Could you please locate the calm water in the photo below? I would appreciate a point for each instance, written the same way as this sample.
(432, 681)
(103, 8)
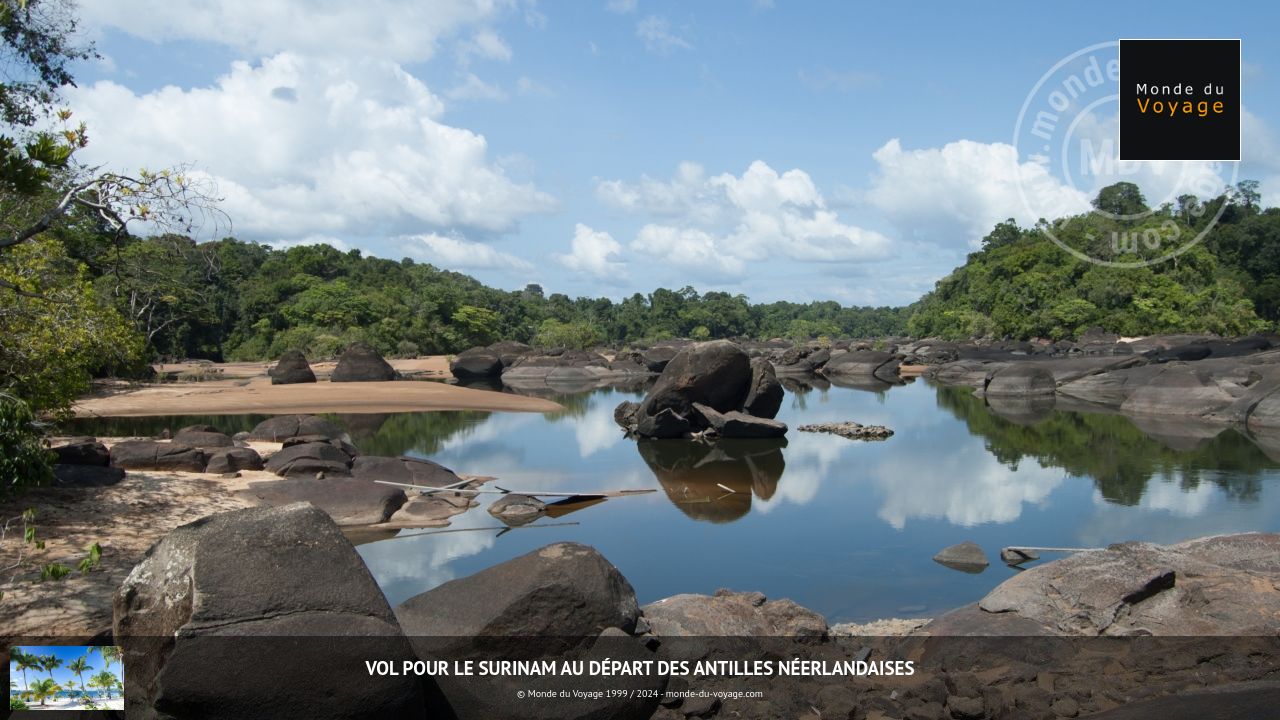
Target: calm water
(844, 527)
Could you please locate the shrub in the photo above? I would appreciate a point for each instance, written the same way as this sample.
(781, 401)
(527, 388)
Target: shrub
(23, 459)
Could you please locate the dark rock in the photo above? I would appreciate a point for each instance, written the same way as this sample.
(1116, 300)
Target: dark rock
(716, 374)
(361, 363)
(699, 706)
(730, 614)
(508, 351)
(516, 509)
(152, 455)
(411, 471)
(1018, 556)
(1184, 391)
(764, 399)
(1224, 702)
(192, 437)
(1021, 379)
(965, 557)
(735, 424)
(308, 458)
(665, 425)
(966, 708)
(478, 362)
(347, 501)
(291, 369)
(85, 475)
(566, 593)
(864, 362)
(232, 460)
(215, 591)
(283, 427)
(625, 415)
(1184, 353)
(656, 358)
(82, 451)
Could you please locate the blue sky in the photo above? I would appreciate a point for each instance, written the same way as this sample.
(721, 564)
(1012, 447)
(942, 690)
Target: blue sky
(66, 653)
(609, 147)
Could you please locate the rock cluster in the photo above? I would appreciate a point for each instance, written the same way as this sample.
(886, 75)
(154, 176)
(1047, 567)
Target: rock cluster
(850, 430)
(281, 584)
(712, 388)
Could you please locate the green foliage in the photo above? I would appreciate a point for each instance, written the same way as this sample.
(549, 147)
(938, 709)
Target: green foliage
(16, 703)
(23, 459)
(1022, 286)
(56, 331)
(41, 690)
(91, 559)
(54, 571)
(574, 335)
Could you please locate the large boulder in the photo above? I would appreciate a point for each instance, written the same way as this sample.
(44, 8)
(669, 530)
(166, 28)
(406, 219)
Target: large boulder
(1216, 586)
(732, 614)
(202, 436)
(864, 362)
(347, 501)
(82, 476)
(292, 368)
(716, 374)
(276, 589)
(564, 593)
(764, 398)
(476, 363)
(283, 427)
(656, 358)
(508, 351)
(1021, 380)
(235, 459)
(153, 455)
(307, 459)
(965, 557)
(1265, 414)
(361, 363)
(411, 471)
(1110, 388)
(1181, 390)
(82, 451)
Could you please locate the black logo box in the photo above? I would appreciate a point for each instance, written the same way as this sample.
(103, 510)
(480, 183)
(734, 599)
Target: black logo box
(1181, 65)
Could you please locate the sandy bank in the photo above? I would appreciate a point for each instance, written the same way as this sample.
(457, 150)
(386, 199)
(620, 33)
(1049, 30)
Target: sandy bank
(259, 396)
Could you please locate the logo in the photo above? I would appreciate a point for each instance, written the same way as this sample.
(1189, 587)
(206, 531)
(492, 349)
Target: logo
(1066, 138)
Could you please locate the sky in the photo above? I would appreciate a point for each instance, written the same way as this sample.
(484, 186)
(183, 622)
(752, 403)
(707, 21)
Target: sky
(66, 653)
(787, 151)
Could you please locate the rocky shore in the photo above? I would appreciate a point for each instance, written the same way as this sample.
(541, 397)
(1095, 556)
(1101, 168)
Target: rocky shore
(212, 595)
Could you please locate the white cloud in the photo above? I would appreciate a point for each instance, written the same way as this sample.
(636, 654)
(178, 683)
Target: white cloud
(456, 253)
(384, 29)
(960, 191)
(621, 6)
(485, 44)
(473, 88)
(719, 224)
(593, 253)
(300, 146)
(656, 32)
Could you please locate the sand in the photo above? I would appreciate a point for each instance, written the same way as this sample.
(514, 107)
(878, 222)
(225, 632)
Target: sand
(116, 703)
(125, 520)
(245, 389)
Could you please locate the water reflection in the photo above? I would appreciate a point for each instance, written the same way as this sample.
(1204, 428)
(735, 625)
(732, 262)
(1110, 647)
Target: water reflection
(849, 528)
(715, 482)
